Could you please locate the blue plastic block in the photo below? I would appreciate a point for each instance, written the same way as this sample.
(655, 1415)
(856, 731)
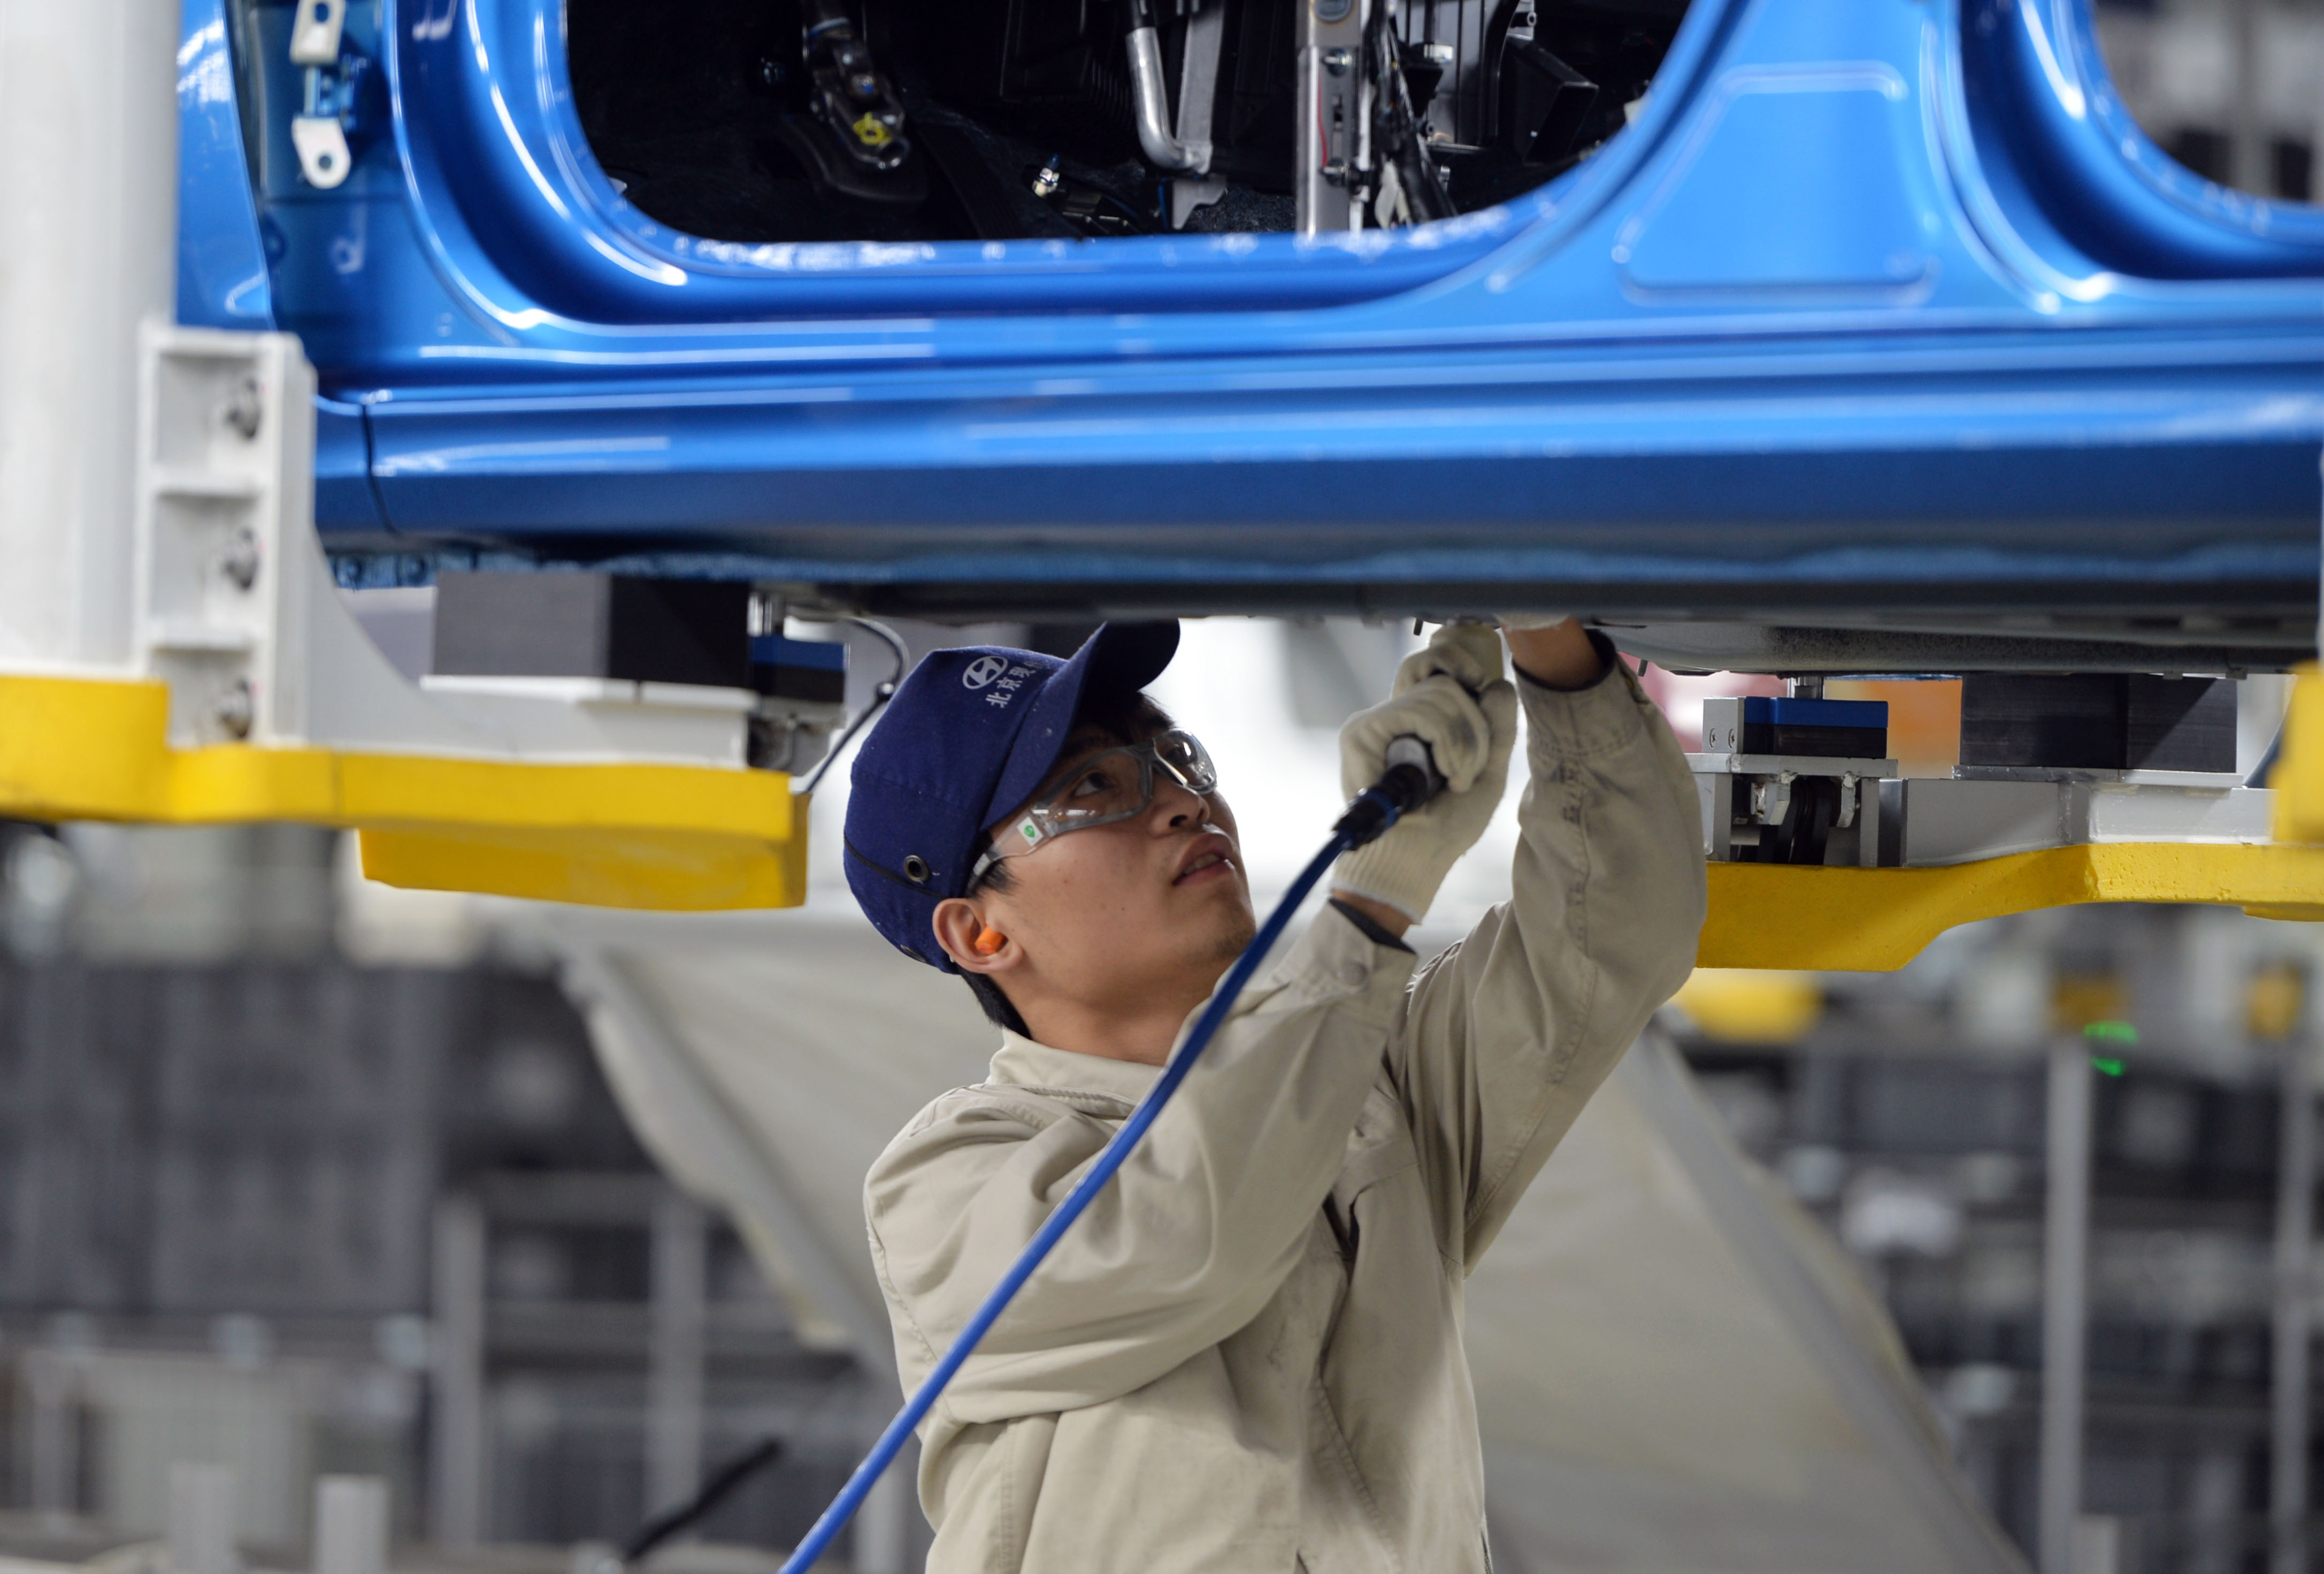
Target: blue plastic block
(1764, 710)
(772, 650)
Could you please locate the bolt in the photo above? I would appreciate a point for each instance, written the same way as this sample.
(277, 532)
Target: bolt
(1338, 61)
(244, 408)
(235, 709)
(239, 561)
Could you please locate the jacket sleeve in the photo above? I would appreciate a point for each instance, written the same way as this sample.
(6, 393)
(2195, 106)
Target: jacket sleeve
(1194, 1234)
(1505, 1037)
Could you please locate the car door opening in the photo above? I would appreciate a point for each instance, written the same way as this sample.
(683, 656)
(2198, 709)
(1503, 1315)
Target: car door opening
(760, 121)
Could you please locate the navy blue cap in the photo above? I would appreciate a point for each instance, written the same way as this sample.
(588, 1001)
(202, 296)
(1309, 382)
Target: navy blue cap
(969, 736)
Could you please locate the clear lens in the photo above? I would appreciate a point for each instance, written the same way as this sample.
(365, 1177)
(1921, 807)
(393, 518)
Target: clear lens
(1183, 757)
(1110, 786)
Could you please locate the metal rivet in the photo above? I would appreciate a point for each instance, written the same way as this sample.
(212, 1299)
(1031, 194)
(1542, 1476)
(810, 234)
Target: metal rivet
(235, 709)
(239, 561)
(243, 409)
(916, 869)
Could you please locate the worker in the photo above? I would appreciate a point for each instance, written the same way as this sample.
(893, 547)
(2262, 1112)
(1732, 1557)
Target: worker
(1247, 1355)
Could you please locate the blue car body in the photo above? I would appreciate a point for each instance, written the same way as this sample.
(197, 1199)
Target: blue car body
(1876, 305)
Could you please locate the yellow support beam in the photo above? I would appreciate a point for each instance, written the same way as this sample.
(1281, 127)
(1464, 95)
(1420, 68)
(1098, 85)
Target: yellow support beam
(672, 838)
(2298, 778)
(1874, 920)
(1747, 1005)
(1780, 916)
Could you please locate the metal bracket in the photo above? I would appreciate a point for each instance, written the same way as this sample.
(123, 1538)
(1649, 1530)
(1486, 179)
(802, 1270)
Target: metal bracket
(1947, 820)
(315, 36)
(335, 73)
(322, 145)
(1335, 116)
(252, 693)
(1198, 87)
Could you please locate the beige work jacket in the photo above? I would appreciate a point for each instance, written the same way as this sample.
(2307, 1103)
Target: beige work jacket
(1247, 1355)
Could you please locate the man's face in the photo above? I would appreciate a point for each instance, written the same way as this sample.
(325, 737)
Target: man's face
(1111, 914)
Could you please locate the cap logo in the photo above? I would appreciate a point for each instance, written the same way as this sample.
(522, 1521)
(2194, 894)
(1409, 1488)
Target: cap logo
(998, 673)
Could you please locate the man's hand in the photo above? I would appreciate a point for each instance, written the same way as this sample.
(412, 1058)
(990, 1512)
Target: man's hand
(1453, 695)
(1559, 656)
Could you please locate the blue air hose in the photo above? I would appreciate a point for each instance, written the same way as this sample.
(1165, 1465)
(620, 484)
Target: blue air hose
(1411, 780)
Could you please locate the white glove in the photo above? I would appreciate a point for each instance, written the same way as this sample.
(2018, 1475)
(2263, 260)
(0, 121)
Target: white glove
(1453, 695)
(1524, 620)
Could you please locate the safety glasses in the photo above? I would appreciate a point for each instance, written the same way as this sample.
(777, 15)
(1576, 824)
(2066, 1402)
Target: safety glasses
(1113, 784)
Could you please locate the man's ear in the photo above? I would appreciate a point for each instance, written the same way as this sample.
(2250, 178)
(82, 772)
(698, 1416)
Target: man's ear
(958, 924)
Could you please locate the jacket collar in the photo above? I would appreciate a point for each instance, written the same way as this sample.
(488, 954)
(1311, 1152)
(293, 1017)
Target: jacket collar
(1023, 1063)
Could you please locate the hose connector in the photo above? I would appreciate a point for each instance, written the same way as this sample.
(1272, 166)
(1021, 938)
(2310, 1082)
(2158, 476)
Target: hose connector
(1410, 781)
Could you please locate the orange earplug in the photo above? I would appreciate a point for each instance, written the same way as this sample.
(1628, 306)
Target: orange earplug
(990, 941)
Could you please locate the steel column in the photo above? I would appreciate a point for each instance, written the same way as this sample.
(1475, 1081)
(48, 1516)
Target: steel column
(455, 1453)
(674, 1363)
(2295, 1189)
(90, 116)
(2065, 1251)
(2248, 153)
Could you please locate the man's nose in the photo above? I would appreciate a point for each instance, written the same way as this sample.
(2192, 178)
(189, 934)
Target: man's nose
(1179, 804)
